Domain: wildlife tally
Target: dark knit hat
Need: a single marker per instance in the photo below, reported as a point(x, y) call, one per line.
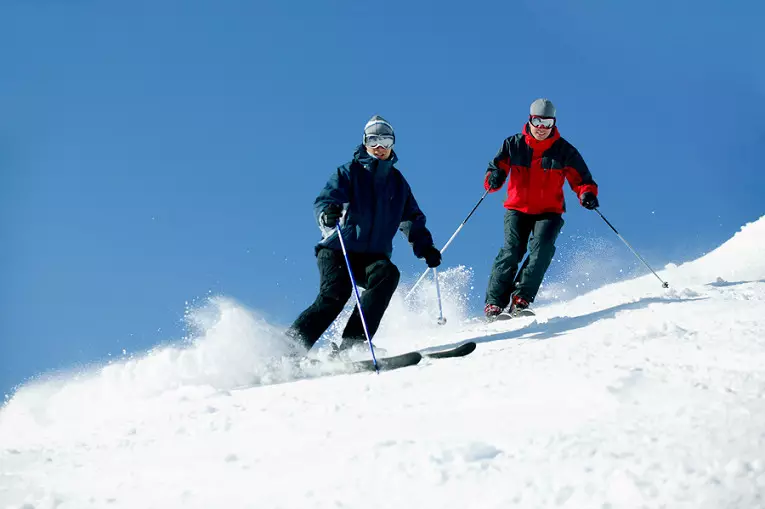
point(379, 126)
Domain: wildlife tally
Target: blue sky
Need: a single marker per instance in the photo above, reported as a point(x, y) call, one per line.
point(152, 153)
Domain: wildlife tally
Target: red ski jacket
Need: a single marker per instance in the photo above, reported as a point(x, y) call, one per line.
point(537, 170)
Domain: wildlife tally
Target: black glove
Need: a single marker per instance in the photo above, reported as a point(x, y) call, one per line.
point(331, 214)
point(496, 179)
point(589, 201)
point(432, 256)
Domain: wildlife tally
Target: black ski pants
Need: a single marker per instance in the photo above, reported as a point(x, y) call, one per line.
point(543, 229)
point(373, 272)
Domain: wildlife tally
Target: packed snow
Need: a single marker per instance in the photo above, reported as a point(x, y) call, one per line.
point(628, 396)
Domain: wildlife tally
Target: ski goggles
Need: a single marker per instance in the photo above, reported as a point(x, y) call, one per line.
point(542, 122)
point(378, 140)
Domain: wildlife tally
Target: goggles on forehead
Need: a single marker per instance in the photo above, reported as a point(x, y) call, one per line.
point(378, 140)
point(542, 122)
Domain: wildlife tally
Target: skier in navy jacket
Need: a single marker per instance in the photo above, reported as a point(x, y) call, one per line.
point(370, 199)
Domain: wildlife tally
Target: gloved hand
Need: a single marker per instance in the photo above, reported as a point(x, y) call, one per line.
point(589, 201)
point(496, 179)
point(331, 214)
point(432, 256)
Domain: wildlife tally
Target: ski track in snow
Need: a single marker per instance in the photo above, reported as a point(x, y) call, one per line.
point(629, 396)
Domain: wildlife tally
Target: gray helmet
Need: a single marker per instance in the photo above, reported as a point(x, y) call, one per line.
point(542, 108)
point(379, 126)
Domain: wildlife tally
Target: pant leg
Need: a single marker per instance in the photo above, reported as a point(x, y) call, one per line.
point(380, 278)
point(334, 291)
point(501, 282)
point(541, 252)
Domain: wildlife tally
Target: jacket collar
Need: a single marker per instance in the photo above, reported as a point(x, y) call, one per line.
point(373, 164)
point(543, 145)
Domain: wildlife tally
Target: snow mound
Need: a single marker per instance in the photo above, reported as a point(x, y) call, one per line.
point(631, 395)
point(741, 258)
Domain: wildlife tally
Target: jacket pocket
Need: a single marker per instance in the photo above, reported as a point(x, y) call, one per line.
point(552, 163)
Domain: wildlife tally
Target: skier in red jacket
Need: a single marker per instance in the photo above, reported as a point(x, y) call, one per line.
point(537, 160)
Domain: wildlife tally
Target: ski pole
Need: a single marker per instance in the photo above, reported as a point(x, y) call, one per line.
point(664, 284)
point(441, 319)
point(447, 244)
point(358, 299)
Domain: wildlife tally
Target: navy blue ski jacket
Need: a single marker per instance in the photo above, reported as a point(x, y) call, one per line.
point(377, 201)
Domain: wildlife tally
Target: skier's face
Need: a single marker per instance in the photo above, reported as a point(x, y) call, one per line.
point(540, 133)
point(379, 152)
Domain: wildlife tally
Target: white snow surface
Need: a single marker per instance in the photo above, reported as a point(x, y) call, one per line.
point(629, 396)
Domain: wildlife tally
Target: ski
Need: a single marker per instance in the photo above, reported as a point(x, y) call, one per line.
point(460, 350)
point(313, 367)
point(291, 369)
point(515, 314)
point(411, 358)
point(386, 363)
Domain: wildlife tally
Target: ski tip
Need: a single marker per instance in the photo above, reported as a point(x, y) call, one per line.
point(458, 351)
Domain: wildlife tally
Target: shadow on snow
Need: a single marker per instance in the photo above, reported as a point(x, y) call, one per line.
point(563, 324)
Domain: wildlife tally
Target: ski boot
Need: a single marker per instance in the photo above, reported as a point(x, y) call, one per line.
point(351, 349)
point(519, 307)
point(492, 311)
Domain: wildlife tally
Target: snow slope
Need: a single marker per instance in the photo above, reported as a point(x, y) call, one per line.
point(629, 396)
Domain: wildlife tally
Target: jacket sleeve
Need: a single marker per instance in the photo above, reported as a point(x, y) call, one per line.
point(500, 162)
point(337, 190)
point(413, 225)
point(578, 175)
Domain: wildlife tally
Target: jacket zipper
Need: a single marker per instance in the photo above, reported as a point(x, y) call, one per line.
point(374, 213)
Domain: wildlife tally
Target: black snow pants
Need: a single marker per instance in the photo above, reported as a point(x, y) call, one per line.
point(503, 282)
point(373, 272)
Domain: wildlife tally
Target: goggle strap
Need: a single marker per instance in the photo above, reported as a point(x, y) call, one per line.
point(375, 122)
